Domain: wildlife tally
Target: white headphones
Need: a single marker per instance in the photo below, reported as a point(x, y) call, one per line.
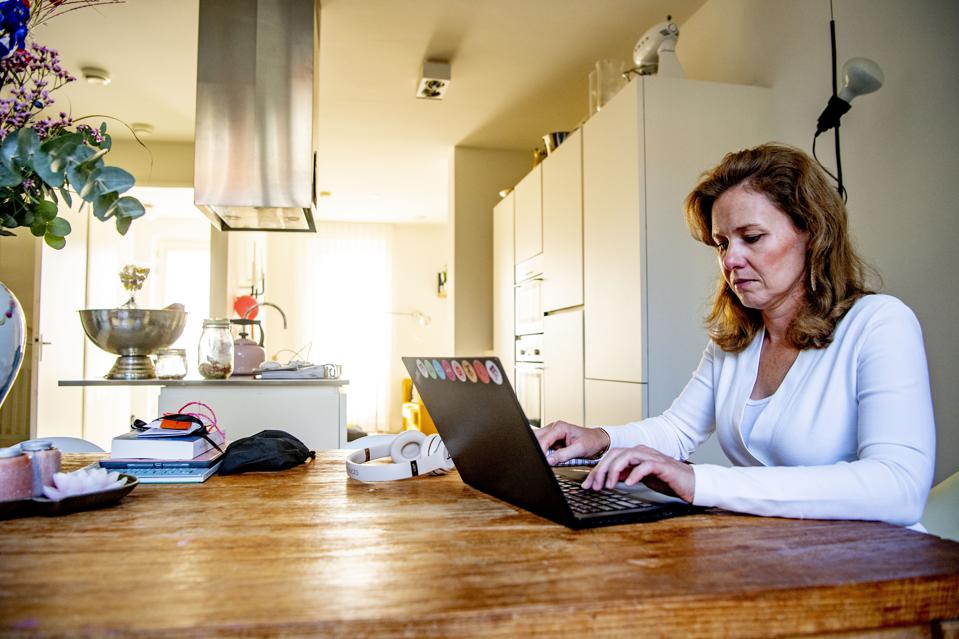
point(412, 452)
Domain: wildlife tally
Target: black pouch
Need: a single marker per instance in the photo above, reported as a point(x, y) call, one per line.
point(267, 450)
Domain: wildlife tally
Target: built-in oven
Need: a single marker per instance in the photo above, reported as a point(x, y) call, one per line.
point(528, 377)
point(529, 306)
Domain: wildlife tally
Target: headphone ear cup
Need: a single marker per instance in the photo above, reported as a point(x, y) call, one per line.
point(407, 446)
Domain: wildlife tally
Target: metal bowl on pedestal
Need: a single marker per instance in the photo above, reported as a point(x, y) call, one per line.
point(133, 334)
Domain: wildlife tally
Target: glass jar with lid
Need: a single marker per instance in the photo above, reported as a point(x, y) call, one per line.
point(171, 363)
point(215, 352)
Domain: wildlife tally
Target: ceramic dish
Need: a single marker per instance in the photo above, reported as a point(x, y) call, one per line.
point(67, 505)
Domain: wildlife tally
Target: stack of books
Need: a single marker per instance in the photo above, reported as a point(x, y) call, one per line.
point(167, 460)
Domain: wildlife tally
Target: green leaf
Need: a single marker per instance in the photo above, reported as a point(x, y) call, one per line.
point(65, 194)
point(123, 224)
point(109, 179)
point(59, 227)
point(10, 222)
point(54, 241)
point(130, 207)
point(9, 177)
point(42, 164)
point(8, 153)
point(28, 143)
point(6, 233)
point(77, 171)
point(38, 228)
point(45, 210)
point(103, 206)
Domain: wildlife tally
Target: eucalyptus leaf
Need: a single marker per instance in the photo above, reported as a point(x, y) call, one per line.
point(45, 210)
point(6, 233)
point(103, 206)
point(54, 241)
point(65, 194)
point(9, 177)
point(9, 221)
point(111, 179)
point(42, 164)
point(123, 224)
point(59, 226)
point(39, 227)
point(130, 207)
point(8, 153)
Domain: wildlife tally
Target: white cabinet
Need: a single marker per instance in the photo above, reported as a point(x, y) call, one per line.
point(503, 269)
point(563, 225)
point(528, 204)
point(610, 403)
point(647, 283)
point(563, 366)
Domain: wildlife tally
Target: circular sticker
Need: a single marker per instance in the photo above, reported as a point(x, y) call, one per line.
point(458, 371)
point(448, 370)
point(439, 369)
point(429, 369)
point(481, 371)
point(468, 369)
point(494, 373)
point(421, 367)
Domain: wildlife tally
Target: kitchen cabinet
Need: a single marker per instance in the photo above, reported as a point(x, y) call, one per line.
point(528, 207)
point(609, 403)
point(503, 269)
point(647, 283)
point(563, 225)
point(563, 366)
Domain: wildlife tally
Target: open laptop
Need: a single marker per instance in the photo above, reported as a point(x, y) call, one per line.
point(495, 451)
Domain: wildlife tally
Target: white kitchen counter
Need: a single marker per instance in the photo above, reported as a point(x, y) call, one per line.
point(313, 410)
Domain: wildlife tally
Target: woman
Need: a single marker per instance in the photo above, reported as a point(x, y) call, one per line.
point(817, 388)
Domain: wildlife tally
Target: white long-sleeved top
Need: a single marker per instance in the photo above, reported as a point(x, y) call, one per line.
point(849, 434)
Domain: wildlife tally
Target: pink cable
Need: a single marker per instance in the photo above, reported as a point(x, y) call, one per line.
point(209, 421)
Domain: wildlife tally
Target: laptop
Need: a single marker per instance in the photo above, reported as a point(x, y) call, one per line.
point(480, 419)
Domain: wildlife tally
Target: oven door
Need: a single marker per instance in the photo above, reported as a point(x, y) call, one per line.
point(529, 307)
point(529, 390)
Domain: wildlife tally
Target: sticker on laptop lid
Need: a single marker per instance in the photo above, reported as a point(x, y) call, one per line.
point(458, 371)
point(481, 371)
point(494, 372)
point(421, 367)
point(470, 373)
point(439, 369)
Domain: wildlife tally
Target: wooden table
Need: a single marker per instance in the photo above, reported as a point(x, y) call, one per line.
point(310, 552)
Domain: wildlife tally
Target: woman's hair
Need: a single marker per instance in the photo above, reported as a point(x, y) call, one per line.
point(798, 188)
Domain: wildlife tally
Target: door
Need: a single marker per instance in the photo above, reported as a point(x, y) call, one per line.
point(563, 367)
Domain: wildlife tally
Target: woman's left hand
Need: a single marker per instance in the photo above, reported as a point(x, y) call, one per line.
point(642, 463)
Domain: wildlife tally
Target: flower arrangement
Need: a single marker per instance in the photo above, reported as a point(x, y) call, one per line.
point(44, 160)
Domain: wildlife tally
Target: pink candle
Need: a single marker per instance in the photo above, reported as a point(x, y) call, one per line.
point(16, 475)
point(45, 462)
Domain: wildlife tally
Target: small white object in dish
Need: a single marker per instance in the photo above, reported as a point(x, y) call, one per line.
point(82, 482)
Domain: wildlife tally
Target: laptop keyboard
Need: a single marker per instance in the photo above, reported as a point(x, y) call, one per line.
point(590, 501)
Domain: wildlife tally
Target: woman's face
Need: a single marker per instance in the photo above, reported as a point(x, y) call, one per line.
point(761, 252)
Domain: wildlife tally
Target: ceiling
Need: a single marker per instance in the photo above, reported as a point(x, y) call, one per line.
point(519, 70)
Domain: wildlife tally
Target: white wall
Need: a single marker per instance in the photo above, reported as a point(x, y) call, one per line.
point(900, 146)
point(478, 175)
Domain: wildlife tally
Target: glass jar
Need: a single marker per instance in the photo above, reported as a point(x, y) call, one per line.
point(16, 475)
point(215, 353)
point(45, 461)
point(171, 363)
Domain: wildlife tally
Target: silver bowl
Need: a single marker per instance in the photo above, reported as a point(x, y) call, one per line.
point(133, 334)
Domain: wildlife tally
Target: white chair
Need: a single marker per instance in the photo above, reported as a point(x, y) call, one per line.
point(72, 444)
point(941, 517)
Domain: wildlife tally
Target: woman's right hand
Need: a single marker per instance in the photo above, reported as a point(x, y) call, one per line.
point(568, 441)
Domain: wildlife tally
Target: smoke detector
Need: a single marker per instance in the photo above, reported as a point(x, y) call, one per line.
point(434, 80)
point(95, 75)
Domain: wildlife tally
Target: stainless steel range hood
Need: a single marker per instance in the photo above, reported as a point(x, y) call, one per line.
point(255, 114)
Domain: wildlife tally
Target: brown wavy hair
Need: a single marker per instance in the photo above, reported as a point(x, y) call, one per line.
point(797, 187)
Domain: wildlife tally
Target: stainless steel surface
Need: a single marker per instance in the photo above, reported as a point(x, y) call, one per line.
point(134, 335)
point(255, 108)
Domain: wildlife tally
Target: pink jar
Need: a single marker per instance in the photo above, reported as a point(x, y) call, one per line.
point(16, 475)
point(45, 461)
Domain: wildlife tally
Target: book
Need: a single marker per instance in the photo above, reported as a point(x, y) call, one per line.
point(129, 445)
point(203, 460)
point(190, 475)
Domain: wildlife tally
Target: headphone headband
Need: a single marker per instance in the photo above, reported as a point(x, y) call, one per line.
point(412, 455)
